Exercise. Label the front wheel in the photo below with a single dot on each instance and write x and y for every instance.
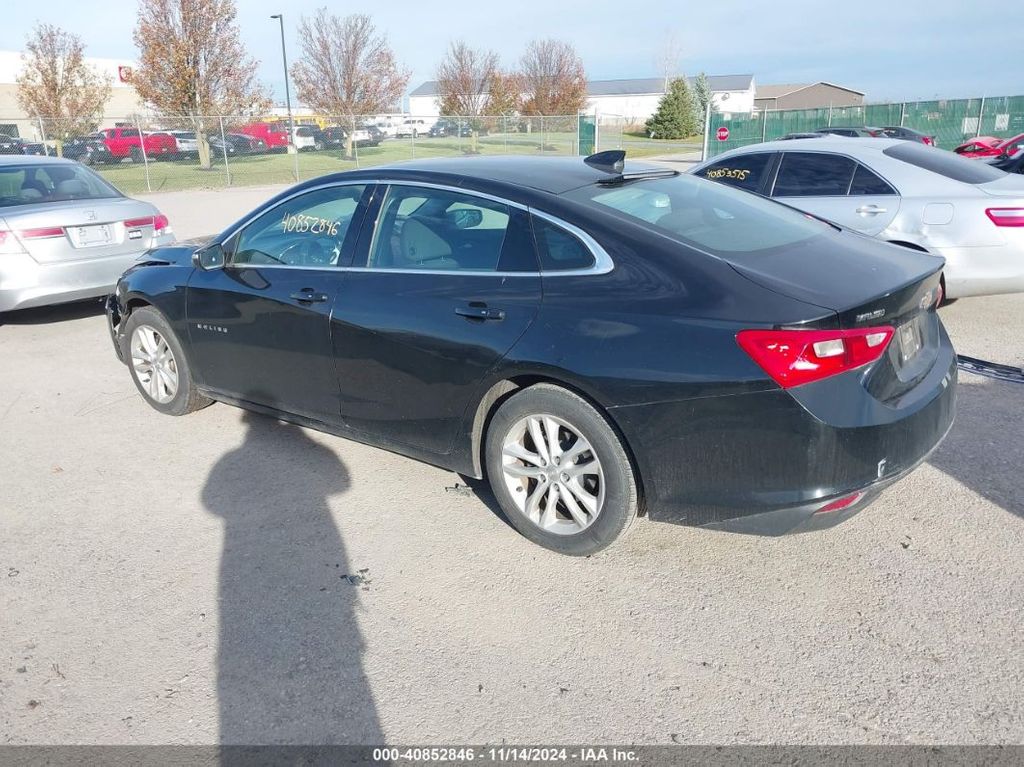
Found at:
(158, 365)
(560, 471)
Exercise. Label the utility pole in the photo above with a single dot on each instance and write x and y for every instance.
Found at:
(287, 92)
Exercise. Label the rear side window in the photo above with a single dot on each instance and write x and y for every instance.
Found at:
(558, 249)
(813, 174)
(745, 171)
(944, 163)
(866, 182)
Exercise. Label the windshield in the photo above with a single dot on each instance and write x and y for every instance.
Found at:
(944, 163)
(704, 214)
(56, 182)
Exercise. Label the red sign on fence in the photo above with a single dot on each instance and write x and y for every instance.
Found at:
(723, 134)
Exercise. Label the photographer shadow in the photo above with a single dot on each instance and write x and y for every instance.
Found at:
(289, 661)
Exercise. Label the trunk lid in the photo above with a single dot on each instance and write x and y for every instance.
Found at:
(865, 283)
(1011, 185)
(88, 229)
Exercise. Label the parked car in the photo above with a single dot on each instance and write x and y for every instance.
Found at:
(574, 330)
(236, 143)
(387, 128)
(335, 136)
(186, 142)
(455, 127)
(273, 136)
(129, 143)
(309, 137)
(982, 146)
(798, 135)
(88, 150)
(414, 126)
(907, 134)
(903, 192)
(850, 132)
(66, 233)
(18, 145)
(1012, 163)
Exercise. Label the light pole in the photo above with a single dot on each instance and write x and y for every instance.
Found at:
(287, 93)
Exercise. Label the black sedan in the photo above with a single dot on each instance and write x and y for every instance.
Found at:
(18, 145)
(236, 143)
(599, 340)
(88, 150)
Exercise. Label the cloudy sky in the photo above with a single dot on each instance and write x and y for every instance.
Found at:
(892, 51)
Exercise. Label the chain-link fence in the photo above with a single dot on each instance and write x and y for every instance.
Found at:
(153, 154)
(949, 121)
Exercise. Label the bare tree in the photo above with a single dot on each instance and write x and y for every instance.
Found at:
(192, 64)
(57, 85)
(667, 58)
(554, 82)
(464, 80)
(346, 68)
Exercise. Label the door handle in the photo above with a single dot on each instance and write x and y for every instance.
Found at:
(870, 210)
(478, 311)
(309, 296)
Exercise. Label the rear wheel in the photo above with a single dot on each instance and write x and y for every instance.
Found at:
(136, 154)
(560, 471)
(158, 365)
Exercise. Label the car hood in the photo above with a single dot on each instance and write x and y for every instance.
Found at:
(178, 253)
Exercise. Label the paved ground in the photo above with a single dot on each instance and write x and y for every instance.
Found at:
(226, 577)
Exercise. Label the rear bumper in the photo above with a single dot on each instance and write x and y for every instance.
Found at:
(765, 463)
(986, 270)
(26, 283)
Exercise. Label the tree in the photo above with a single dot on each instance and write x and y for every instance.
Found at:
(192, 64)
(464, 79)
(667, 58)
(554, 82)
(346, 68)
(56, 84)
(505, 95)
(676, 116)
(702, 94)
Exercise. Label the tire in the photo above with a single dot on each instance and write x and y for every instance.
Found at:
(520, 484)
(319, 146)
(140, 327)
(135, 154)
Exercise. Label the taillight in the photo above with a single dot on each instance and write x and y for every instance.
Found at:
(840, 503)
(159, 222)
(41, 233)
(796, 357)
(928, 140)
(1006, 216)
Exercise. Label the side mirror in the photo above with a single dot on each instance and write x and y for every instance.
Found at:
(209, 258)
(465, 218)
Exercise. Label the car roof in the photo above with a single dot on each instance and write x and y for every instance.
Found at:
(555, 175)
(33, 159)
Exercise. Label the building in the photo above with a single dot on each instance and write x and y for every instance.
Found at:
(123, 101)
(633, 100)
(806, 96)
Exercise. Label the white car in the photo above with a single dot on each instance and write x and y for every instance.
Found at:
(388, 128)
(412, 127)
(906, 193)
(186, 141)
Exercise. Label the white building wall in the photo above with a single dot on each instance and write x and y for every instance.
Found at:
(634, 107)
(733, 101)
(424, 106)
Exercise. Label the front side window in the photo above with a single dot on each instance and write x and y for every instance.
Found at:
(745, 171)
(309, 230)
(813, 174)
(438, 229)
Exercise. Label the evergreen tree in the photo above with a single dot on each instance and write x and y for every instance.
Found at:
(702, 93)
(677, 114)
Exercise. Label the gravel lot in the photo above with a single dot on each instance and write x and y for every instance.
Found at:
(224, 577)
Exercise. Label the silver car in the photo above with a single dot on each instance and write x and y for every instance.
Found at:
(906, 193)
(65, 233)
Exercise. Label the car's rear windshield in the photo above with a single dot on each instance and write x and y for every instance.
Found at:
(944, 163)
(704, 214)
(50, 182)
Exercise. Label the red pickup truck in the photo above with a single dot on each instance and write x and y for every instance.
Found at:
(274, 135)
(126, 142)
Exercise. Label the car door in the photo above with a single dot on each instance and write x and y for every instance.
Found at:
(260, 327)
(837, 188)
(444, 285)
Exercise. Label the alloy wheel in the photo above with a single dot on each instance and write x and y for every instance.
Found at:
(553, 474)
(154, 364)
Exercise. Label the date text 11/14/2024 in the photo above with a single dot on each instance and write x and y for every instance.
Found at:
(500, 754)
